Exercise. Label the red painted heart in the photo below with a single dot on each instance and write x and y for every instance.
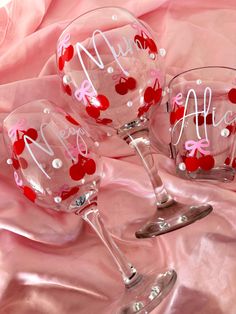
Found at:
(19, 146)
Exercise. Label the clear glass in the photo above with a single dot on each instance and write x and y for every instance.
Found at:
(56, 166)
(110, 64)
(203, 123)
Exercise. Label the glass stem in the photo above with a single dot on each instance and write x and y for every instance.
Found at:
(91, 215)
(138, 138)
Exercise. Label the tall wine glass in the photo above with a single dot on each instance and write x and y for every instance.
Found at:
(55, 167)
(110, 64)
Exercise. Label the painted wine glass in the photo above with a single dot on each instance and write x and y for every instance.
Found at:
(203, 123)
(55, 167)
(110, 65)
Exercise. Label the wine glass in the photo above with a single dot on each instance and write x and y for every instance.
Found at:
(55, 167)
(202, 116)
(110, 65)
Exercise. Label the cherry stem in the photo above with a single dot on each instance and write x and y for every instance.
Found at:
(154, 87)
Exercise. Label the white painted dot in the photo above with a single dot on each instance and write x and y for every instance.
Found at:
(110, 70)
(82, 181)
(163, 93)
(46, 110)
(182, 166)
(96, 144)
(129, 103)
(199, 82)
(152, 56)
(9, 161)
(57, 163)
(108, 134)
(167, 90)
(114, 17)
(140, 91)
(66, 79)
(162, 52)
(225, 132)
(57, 199)
(142, 100)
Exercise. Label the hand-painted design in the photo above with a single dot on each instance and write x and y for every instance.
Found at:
(232, 95)
(19, 126)
(84, 92)
(229, 162)
(94, 103)
(177, 112)
(199, 119)
(83, 166)
(19, 144)
(192, 162)
(19, 163)
(143, 41)
(29, 193)
(231, 128)
(71, 119)
(65, 51)
(67, 89)
(152, 96)
(124, 86)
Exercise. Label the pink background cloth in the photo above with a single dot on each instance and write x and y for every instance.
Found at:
(47, 263)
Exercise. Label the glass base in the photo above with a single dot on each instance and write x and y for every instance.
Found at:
(222, 174)
(144, 296)
(173, 217)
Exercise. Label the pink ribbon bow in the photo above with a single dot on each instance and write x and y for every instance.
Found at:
(197, 145)
(83, 92)
(177, 100)
(20, 125)
(63, 43)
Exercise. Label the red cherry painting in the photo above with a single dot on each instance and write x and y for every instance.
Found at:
(104, 121)
(227, 161)
(32, 133)
(124, 85)
(18, 146)
(77, 172)
(179, 113)
(103, 102)
(234, 163)
(191, 163)
(172, 117)
(140, 41)
(29, 193)
(151, 45)
(206, 162)
(68, 53)
(93, 111)
(232, 95)
(61, 63)
(199, 119)
(90, 166)
(67, 89)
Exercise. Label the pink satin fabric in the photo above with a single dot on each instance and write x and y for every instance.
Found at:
(48, 263)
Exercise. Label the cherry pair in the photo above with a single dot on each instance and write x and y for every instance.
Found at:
(192, 163)
(66, 56)
(145, 42)
(95, 106)
(124, 86)
(83, 166)
(151, 97)
(228, 161)
(200, 119)
(19, 144)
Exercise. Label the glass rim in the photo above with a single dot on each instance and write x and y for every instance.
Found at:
(96, 9)
(200, 68)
